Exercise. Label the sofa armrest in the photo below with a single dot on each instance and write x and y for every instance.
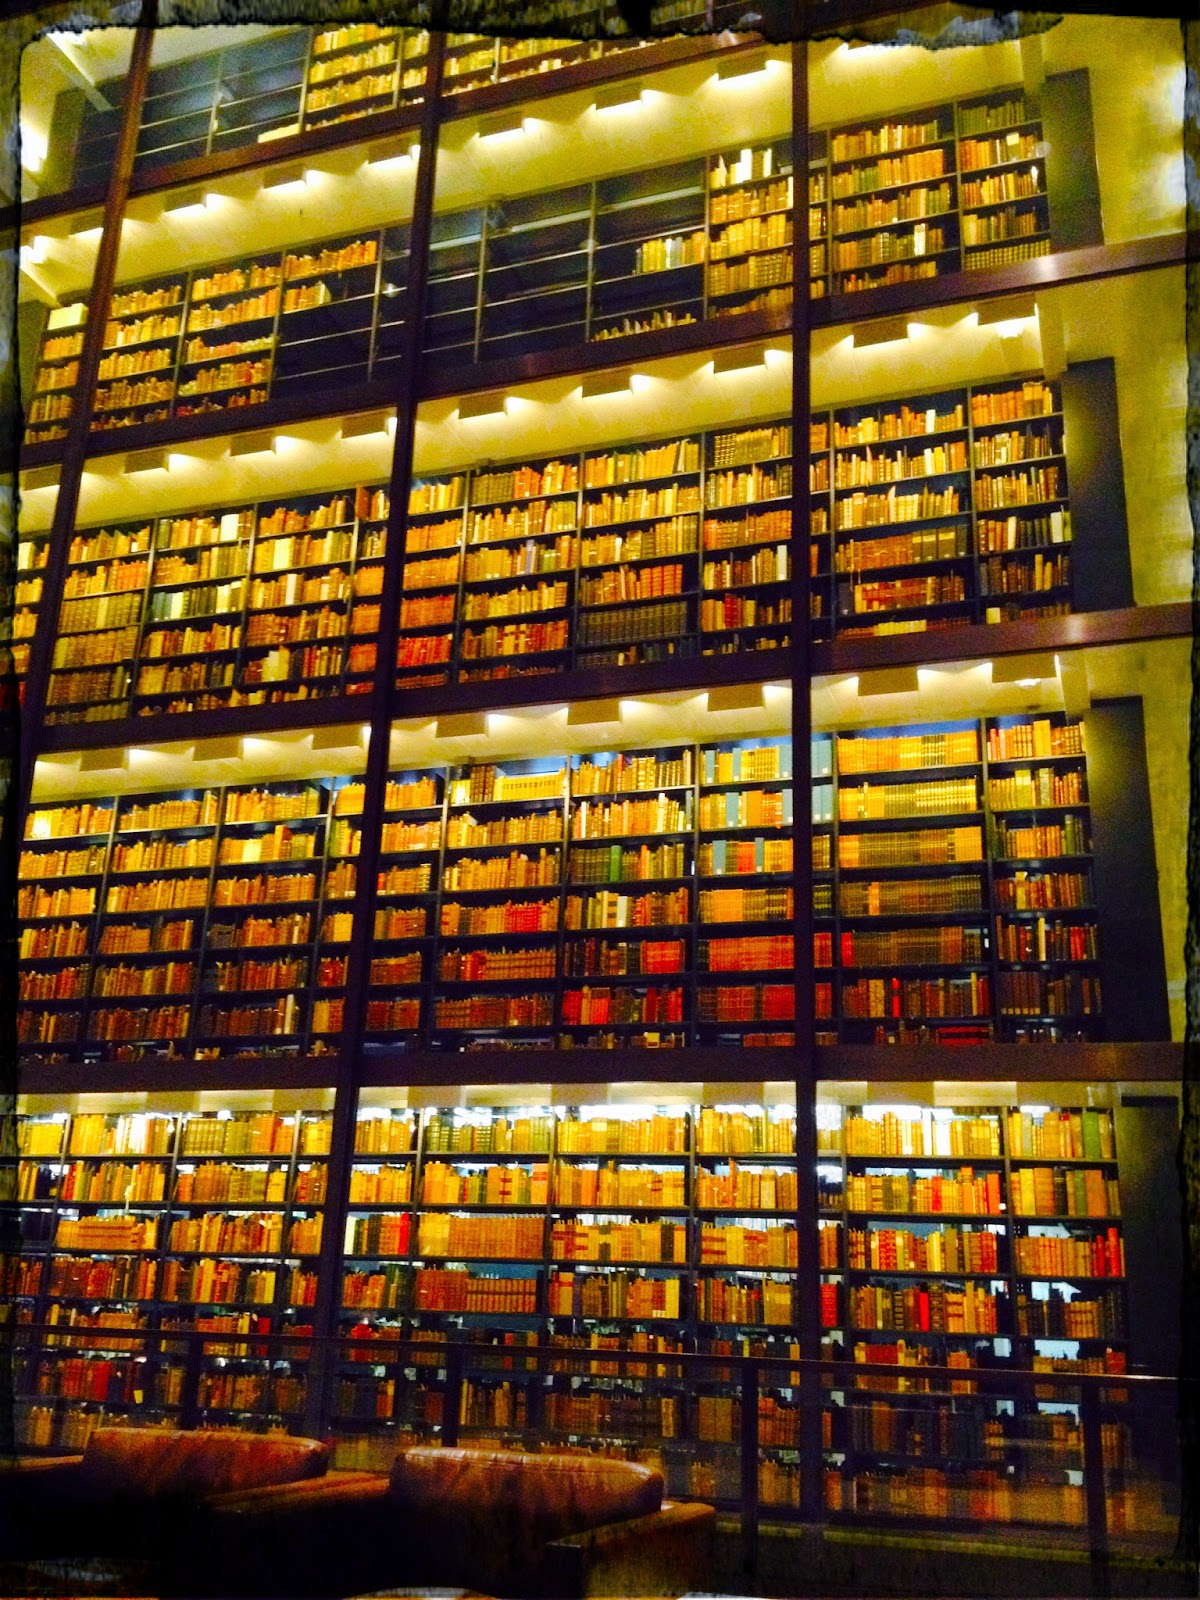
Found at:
(666, 1553)
(321, 1536)
(261, 1500)
(17, 1467)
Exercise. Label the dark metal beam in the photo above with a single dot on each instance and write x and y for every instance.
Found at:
(75, 448)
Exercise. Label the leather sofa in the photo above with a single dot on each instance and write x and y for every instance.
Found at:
(129, 1515)
(499, 1523)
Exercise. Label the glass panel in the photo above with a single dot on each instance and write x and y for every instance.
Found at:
(962, 1228)
(703, 231)
(251, 580)
(993, 155)
(632, 545)
(196, 919)
(229, 295)
(124, 1198)
(220, 88)
(586, 891)
(983, 466)
(72, 90)
(985, 847)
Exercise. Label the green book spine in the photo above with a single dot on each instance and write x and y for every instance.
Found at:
(1091, 1135)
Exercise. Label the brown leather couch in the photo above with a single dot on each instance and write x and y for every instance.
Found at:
(498, 1523)
(130, 1515)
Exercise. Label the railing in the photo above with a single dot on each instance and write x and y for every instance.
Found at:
(761, 1437)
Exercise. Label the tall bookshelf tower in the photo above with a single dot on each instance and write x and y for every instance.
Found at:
(480, 622)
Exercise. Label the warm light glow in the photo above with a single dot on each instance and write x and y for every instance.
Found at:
(742, 77)
(523, 126)
(197, 208)
(34, 149)
(632, 102)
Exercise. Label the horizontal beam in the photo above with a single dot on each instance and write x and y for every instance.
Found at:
(222, 723)
(1046, 272)
(984, 1063)
(175, 1077)
(634, 61)
(1035, 635)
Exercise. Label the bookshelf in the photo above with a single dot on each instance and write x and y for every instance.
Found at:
(209, 922)
(362, 69)
(1002, 186)
(744, 894)
(892, 201)
(639, 579)
(660, 1228)
(649, 250)
(207, 1221)
(232, 335)
(278, 877)
(60, 874)
(253, 604)
(750, 229)
(951, 508)
(944, 1265)
(1040, 833)
(298, 598)
(521, 522)
(99, 622)
(331, 300)
(620, 899)
(406, 905)
(193, 619)
(502, 850)
(631, 985)
(924, 871)
(52, 401)
(952, 187)
(747, 572)
(431, 581)
(32, 552)
(135, 380)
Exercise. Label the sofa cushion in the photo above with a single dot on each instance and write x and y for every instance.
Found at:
(490, 1514)
(134, 1462)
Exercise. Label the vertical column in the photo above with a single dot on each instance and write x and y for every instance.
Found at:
(321, 1376)
(76, 445)
(808, 1291)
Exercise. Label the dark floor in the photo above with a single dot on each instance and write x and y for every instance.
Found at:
(994, 1561)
